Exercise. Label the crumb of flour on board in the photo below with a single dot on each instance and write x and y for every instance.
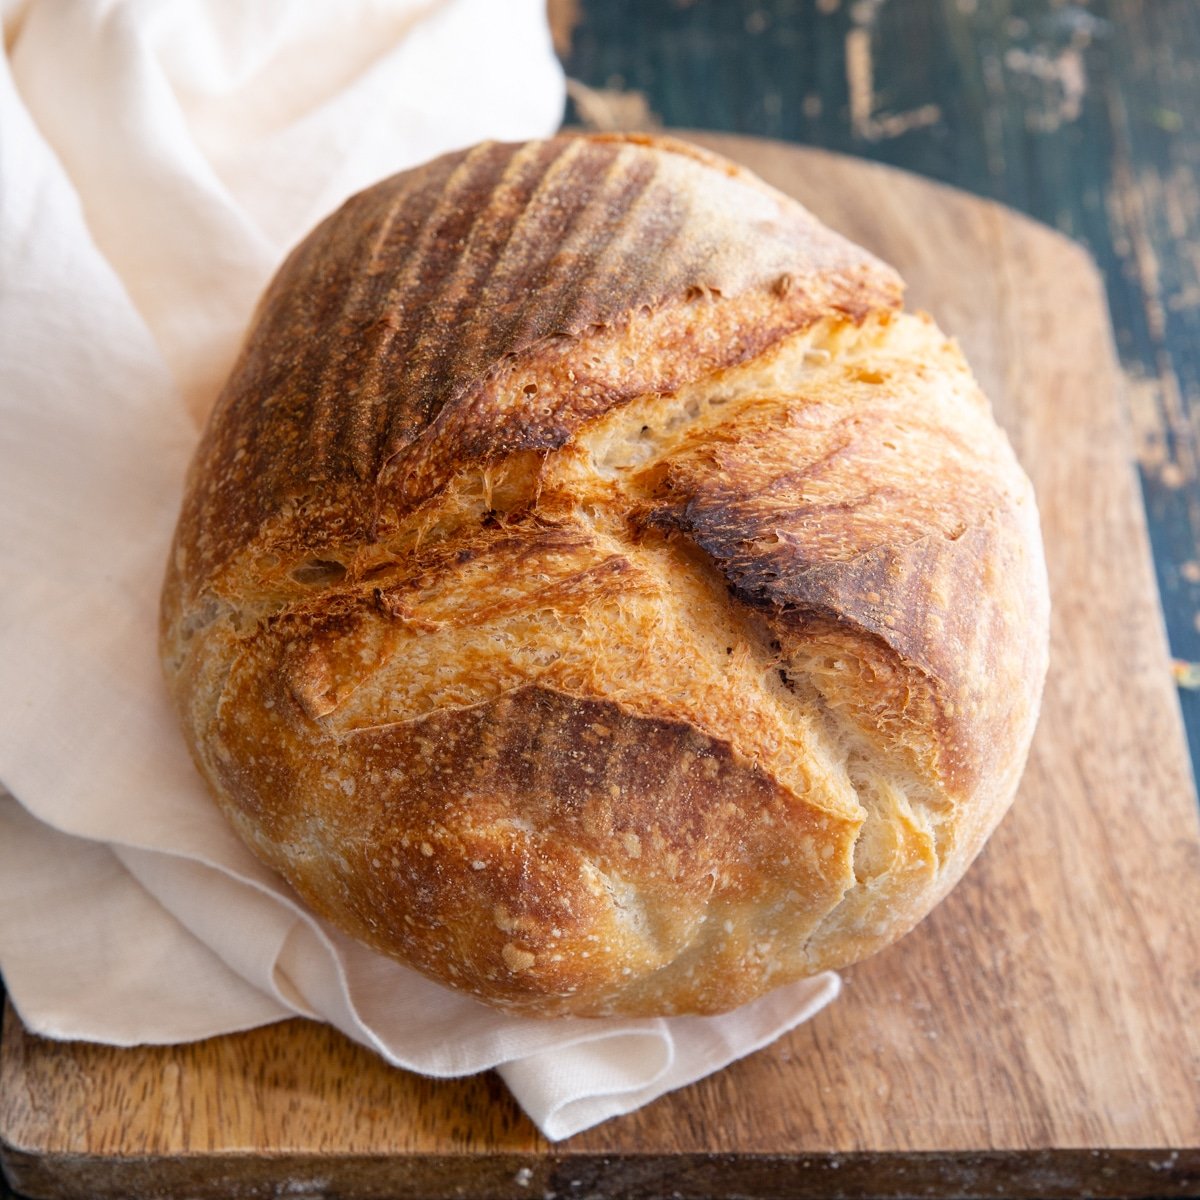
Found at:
(1186, 674)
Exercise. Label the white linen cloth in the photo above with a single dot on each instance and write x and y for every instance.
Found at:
(157, 159)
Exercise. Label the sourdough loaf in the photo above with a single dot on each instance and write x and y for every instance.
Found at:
(595, 591)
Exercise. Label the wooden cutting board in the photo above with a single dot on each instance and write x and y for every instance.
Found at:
(1039, 1035)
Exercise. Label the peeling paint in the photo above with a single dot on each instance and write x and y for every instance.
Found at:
(1147, 208)
(564, 16)
(1163, 442)
(1066, 84)
(1054, 75)
(860, 76)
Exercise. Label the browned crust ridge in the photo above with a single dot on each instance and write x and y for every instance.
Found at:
(592, 590)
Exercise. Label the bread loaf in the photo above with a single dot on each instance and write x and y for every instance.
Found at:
(594, 591)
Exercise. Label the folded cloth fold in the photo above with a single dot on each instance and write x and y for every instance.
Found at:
(157, 162)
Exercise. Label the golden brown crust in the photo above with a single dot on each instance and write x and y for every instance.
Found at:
(398, 341)
(592, 592)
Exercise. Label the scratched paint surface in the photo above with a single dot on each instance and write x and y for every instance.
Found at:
(1084, 115)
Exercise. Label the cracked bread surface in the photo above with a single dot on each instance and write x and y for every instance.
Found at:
(593, 591)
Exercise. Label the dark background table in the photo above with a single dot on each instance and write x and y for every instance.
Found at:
(1082, 115)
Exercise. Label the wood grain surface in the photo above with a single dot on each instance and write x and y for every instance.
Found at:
(1039, 1035)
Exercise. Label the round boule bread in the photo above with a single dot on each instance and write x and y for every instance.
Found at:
(594, 591)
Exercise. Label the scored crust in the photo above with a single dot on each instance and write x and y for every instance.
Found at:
(593, 591)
